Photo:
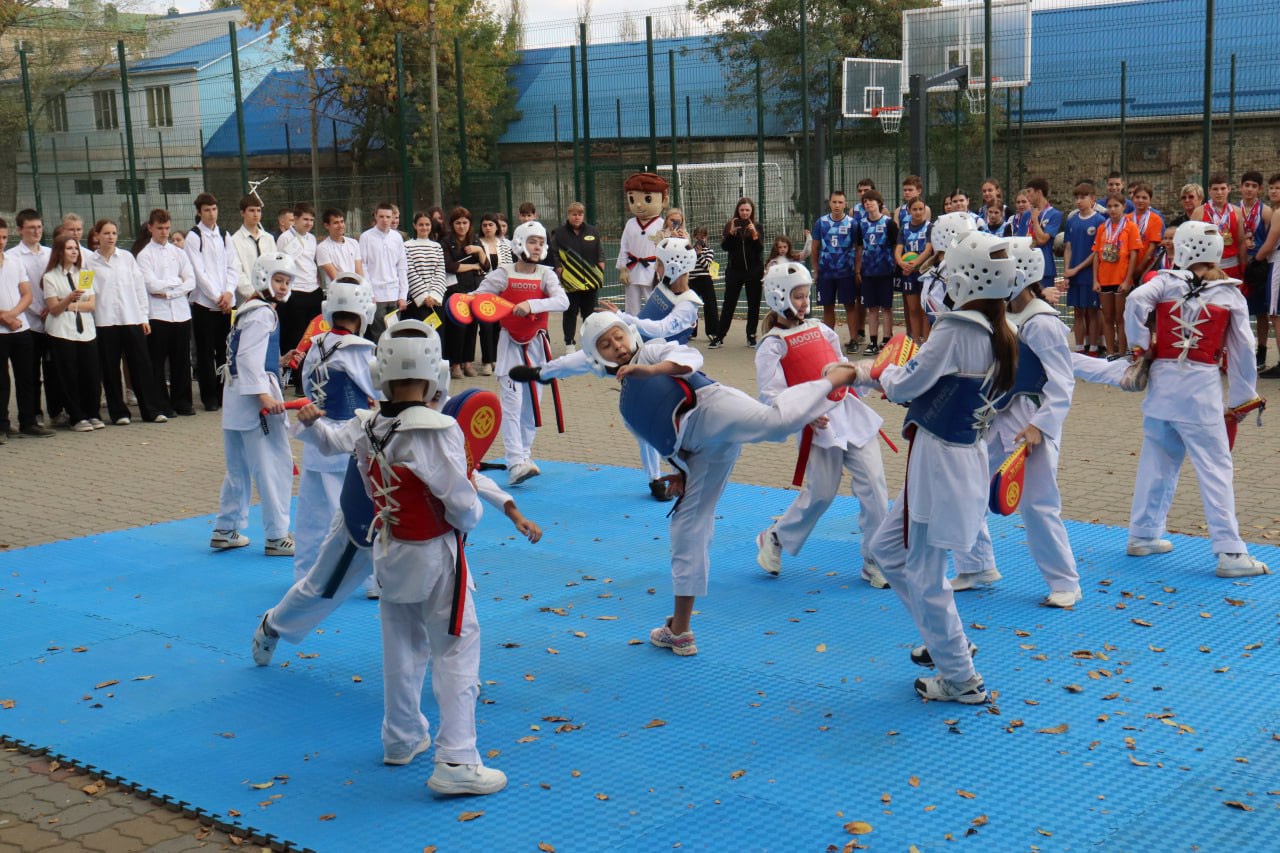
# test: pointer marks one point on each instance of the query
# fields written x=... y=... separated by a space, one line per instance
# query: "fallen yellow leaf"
x=602 y=797
x=1143 y=622
x=466 y=816
x=1046 y=833
x=737 y=774
x=261 y=786
x=653 y=724
x=527 y=739
x=914 y=781
x=329 y=816
x=106 y=684
x=1056 y=730
x=968 y=795
x=545 y=847
x=857 y=827
x=822 y=647
x=980 y=820
x=1236 y=804
x=1136 y=763
x=1156 y=649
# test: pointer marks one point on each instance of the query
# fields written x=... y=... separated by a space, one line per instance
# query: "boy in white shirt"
x=337 y=254
x=217 y=271
x=387 y=268
x=35 y=260
x=306 y=296
x=167 y=274
x=251 y=242
x=16 y=347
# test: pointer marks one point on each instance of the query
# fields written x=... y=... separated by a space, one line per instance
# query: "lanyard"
x=1113 y=232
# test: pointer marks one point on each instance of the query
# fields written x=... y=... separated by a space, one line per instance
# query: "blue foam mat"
x=796 y=717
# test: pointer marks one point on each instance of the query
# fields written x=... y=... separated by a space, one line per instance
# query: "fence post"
x=88 y=170
x=688 y=129
x=1231 y=121
x=462 y=121
x=1008 y=142
x=617 y=102
x=573 y=97
x=675 y=151
x=555 y=152
x=1022 y=163
x=402 y=114
x=235 y=81
x=955 y=138
x=586 y=124
x=653 y=109
x=164 y=174
x=57 y=176
x=204 y=166
x=804 y=112
x=988 y=131
x=760 y=144
x=128 y=133
x=1124 y=124
x=1206 y=129
x=337 y=166
x=829 y=140
x=31 y=128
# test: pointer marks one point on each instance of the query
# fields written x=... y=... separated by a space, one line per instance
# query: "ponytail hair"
x=1004 y=341
x=774 y=320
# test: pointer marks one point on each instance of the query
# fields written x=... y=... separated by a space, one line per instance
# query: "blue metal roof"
x=199 y=55
x=616 y=73
x=1076 y=55
x=277 y=107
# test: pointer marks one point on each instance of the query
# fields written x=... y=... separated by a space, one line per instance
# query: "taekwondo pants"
x=724 y=420
x=1164 y=445
x=635 y=296
x=304 y=606
x=518 y=430
x=264 y=459
x=823 y=473
x=1041 y=511
x=650 y=460
x=318 y=495
x=917 y=572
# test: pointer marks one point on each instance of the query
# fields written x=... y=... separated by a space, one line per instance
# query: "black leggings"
x=705 y=287
x=734 y=281
x=582 y=303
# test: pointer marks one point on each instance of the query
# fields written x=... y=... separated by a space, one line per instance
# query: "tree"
x=354 y=41
x=769 y=31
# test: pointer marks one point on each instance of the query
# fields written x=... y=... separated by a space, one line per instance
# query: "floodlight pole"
x=917 y=108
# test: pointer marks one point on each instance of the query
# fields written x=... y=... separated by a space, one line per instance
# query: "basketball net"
x=977 y=96
x=890 y=118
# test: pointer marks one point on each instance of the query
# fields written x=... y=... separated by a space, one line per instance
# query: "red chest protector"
x=520 y=288
x=808 y=352
x=413 y=513
x=1210 y=334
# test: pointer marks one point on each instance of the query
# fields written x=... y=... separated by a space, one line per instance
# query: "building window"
x=177 y=186
x=123 y=185
x=56 y=108
x=105 y=116
x=88 y=187
x=159 y=107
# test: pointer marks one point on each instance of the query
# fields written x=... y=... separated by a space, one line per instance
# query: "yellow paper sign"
x=86 y=280
x=714 y=269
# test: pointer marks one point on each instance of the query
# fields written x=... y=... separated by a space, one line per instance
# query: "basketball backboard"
x=870 y=85
x=942 y=37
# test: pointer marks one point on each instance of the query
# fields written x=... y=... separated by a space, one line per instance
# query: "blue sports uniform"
x=1080 y=234
x=1051 y=222
x=834 y=240
x=913 y=240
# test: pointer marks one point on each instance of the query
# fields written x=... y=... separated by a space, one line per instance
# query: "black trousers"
x=459 y=341
x=734 y=281
x=295 y=314
x=127 y=344
x=488 y=335
x=80 y=377
x=169 y=346
x=42 y=365
x=210 y=329
x=705 y=287
x=582 y=303
x=379 y=324
x=17 y=350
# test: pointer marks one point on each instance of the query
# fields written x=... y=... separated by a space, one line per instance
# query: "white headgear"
x=780 y=280
x=442 y=382
x=1028 y=262
x=950 y=226
x=520 y=238
x=415 y=357
x=595 y=326
x=349 y=293
x=1196 y=243
x=267 y=266
x=678 y=257
x=974 y=274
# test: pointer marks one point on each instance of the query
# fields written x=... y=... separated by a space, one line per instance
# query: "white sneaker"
x=282 y=547
x=228 y=539
x=1147 y=547
x=969 y=581
x=161 y=419
x=373 y=592
x=97 y=423
x=769 y=553
x=1240 y=566
x=871 y=574
x=82 y=426
x=401 y=760
x=122 y=422
x=938 y=689
x=130 y=398
x=520 y=472
x=264 y=642
x=568 y=348
x=1065 y=599
x=466 y=779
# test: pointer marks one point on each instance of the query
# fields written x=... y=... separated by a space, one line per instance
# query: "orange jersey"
x=1150 y=226
x=1125 y=239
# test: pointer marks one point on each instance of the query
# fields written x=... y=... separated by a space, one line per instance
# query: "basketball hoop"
x=890 y=118
x=977 y=95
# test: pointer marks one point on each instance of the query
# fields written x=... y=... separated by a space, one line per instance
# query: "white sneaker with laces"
x=522 y=471
x=264 y=642
x=161 y=419
x=282 y=547
x=228 y=539
x=1065 y=599
x=373 y=592
x=937 y=689
x=466 y=779
x=82 y=426
x=769 y=553
x=568 y=348
x=97 y=423
x=1240 y=566
x=871 y=574
x=130 y=398
x=1147 y=547
x=122 y=422
x=401 y=760
x=969 y=581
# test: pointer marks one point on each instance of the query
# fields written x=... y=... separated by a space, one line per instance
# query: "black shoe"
x=170 y=414
x=660 y=490
x=1272 y=372
x=715 y=343
x=187 y=413
x=851 y=348
x=751 y=341
x=36 y=431
x=212 y=408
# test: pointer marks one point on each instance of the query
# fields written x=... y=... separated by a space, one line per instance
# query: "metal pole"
x=688 y=130
x=88 y=169
x=675 y=151
x=31 y=129
x=1008 y=143
x=235 y=79
x=1124 y=97
x=653 y=108
x=1231 y=121
x=462 y=121
x=288 y=155
x=955 y=137
x=586 y=125
x=1022 y=163
x=402 y=115
x=1206 y=130
x=989 y=129
x=555 y=153
x=333 y=123
x=897 y=164
x=760 y=144
x=128 y=132
x=917 y=112
x=204 y=166
x=164 y=180
x=805 y=203
x=573 y=97
x=57 y=177
x=617 y=102
x=437 y=181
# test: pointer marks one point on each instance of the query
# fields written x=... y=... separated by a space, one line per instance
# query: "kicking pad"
x=479 y=414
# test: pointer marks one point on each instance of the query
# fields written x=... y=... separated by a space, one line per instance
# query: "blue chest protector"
x=271 y=359
x=357 y=508
x=658 y=306
x=334 y=390
x=653 y=405
x=948 y=410
x=1029 y=379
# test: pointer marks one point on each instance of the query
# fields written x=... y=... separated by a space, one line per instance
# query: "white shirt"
x=63 y=326
x=384 y=264
x=214 y=261
x=167 y=275
x=12 y=274
x=344 y=256
x=302 y=248
x=248 y=249
x=122 y=294
x=35 y=262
